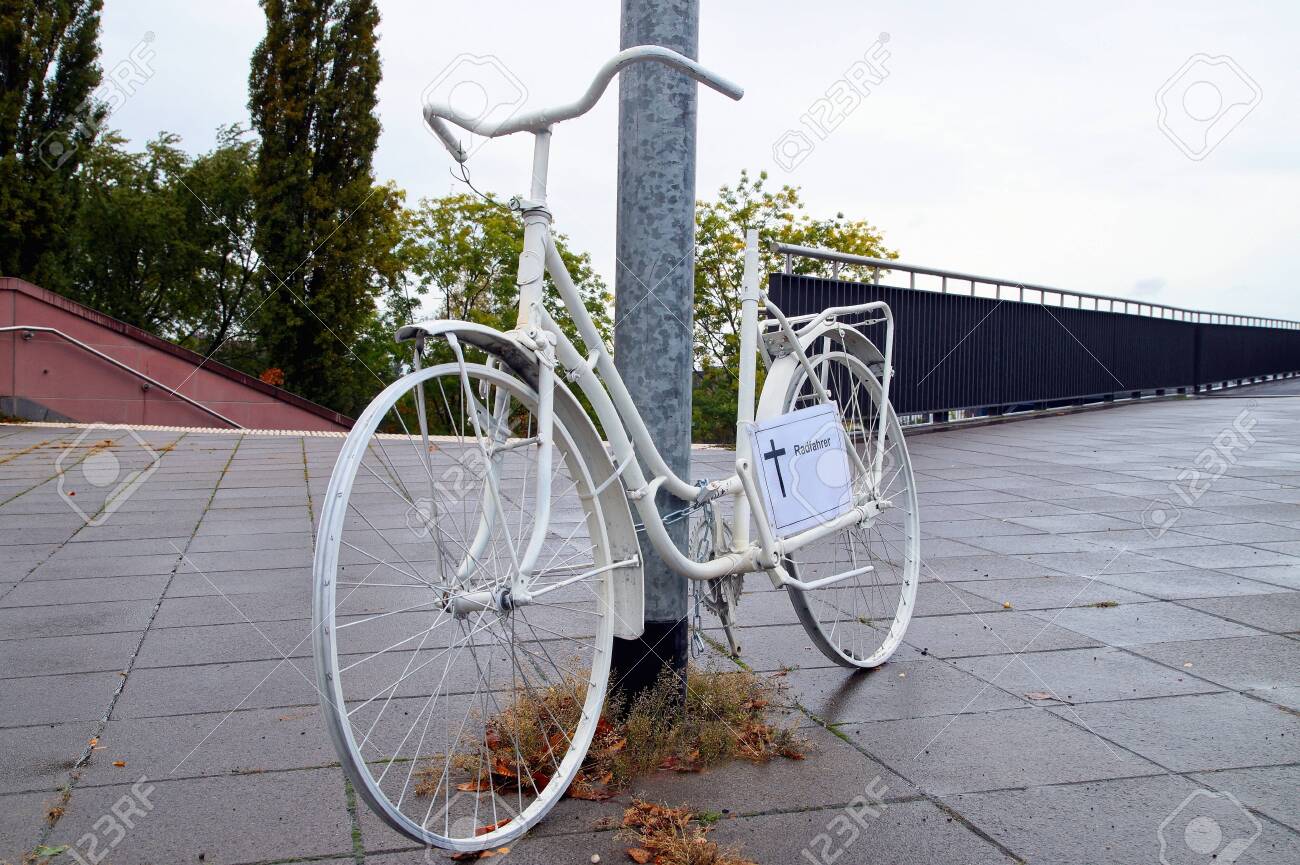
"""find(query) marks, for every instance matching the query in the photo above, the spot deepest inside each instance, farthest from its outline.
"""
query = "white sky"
(1016, 139)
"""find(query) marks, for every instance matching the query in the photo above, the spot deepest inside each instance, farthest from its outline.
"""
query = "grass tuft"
(724, 716)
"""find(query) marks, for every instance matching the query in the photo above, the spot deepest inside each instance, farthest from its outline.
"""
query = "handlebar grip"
(447, 136)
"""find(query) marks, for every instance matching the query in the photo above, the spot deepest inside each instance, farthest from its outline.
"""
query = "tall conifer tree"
(319, 220)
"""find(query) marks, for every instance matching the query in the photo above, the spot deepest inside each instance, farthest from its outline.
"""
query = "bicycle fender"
(771, 402)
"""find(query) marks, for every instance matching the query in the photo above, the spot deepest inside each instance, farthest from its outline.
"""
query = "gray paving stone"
(246, 818)
(955, 753)
(1186, 734)
(1111, 823)
(990, 634)
(39, 758)
(833, 773)
(50, 656)
(1240, 663)
(1285, 576)
(217, 687)
(22, 817)
(221, 644)
(907, 833)
(1189, 583)
(1270, 790)
(73, 697)
(1044, 593)
(1083, 675)
(74, 618)
(1227, 556)
(1093, 564)
(934, 598)
(987, 567)
(1278, 612)
(216, 743)
(280, 604)
(122, 566)
(189, 583)
(1137, 624)
(90, 590)
(907, 689)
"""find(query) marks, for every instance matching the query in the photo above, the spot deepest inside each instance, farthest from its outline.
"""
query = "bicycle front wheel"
(860, 621)
(460, 717)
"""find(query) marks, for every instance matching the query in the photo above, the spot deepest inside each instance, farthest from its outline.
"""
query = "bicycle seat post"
(537, 223)
(541, 161)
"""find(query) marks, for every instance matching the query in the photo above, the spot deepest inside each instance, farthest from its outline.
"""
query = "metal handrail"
(790, 250)
(117, 363)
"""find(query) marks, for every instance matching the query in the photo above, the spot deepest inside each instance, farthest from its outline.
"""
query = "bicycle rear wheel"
(460, 723)
(860, 621)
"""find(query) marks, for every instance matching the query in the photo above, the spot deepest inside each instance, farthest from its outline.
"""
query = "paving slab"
(72, 697)
(218, 644)
(1186, 583)
(1283, 576)
(1001, 632)
(74, 618)
(247, 818)
(34, 593)
(908, 689)
(214, 743)
(1137, 624)
(1050, 593)
(1083, 675)
(53, 656)
(217, 687)
(1116, 822)
(1227, 556)
(964, 753)
(1277, 612)
(1240, 663)
(22, 817)
(39, 758)
(1271, 790)
(832, 773)
(907, 833)
(1186, 733)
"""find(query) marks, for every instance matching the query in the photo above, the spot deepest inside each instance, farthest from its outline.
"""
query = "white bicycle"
(477, 551)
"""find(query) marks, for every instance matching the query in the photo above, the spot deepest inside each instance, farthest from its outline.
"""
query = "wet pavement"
(1104, 666)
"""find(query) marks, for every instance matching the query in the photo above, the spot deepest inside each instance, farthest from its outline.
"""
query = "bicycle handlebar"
(438, 115)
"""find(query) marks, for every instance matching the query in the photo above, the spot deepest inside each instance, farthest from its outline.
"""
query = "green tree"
(464, 253)
(216, 192)
(720, 227)
(130, 254)
(322, 232)
(49, 70)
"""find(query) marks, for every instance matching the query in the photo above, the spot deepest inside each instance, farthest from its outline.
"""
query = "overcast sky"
(1017, 140)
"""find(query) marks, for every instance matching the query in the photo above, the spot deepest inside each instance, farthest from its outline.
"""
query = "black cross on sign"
(772, 455)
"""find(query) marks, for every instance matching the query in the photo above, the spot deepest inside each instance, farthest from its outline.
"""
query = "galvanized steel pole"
(654, 295)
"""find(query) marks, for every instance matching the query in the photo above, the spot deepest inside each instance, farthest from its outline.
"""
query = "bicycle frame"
(595, 374)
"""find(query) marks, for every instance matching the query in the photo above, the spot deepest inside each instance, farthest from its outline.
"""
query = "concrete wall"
(42, 372)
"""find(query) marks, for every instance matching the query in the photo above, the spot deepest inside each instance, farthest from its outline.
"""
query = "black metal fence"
(963, 352)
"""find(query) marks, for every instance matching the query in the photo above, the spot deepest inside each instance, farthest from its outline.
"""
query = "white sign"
(802, 468)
